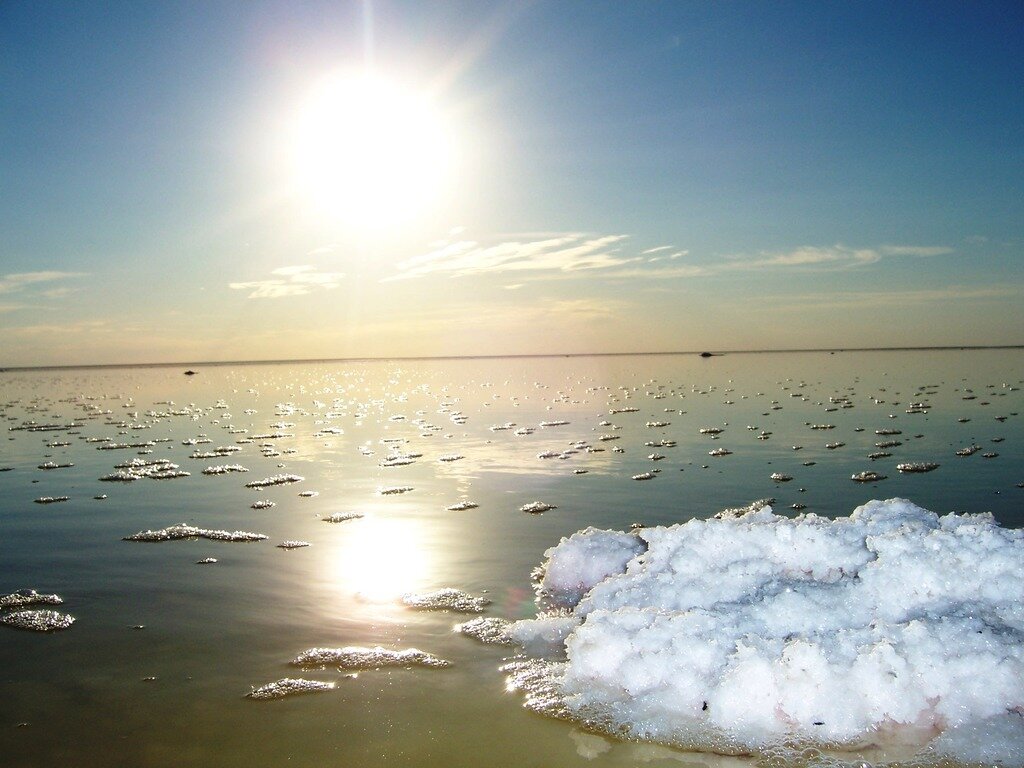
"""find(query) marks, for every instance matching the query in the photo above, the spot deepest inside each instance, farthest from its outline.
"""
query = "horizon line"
(424, 358)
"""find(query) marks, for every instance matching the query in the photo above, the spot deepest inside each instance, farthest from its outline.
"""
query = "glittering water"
(426, 466)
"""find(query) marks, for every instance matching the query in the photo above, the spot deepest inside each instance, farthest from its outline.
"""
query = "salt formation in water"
(486, 629)
(184, 531)
(274, 480)
(289, 686)
(263, 504)
(394, 490)
(536, 507)
(293, 544)
(137, 469)
(355, 657)
(917, 466)
(447, 599)
(462, 506)
(50, 499)
(223, 469)
(24, 597)
(341, 517)
(37, 620)
(744, 631)
(867, 477)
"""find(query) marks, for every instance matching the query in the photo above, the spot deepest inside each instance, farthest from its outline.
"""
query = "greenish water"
(173, 692)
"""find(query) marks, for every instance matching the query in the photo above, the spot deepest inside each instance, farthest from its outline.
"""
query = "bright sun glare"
(371, 153)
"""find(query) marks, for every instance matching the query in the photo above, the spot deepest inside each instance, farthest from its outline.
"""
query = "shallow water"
(173, 692)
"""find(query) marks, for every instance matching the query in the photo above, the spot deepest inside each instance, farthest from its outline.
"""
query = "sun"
(371, 152)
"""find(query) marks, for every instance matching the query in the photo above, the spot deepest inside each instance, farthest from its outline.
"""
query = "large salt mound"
(752, 629)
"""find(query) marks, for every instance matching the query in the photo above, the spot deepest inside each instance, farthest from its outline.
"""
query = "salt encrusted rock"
(289, 686)
(448, 599)
(185, 531)
(37, 620)
(354, 657)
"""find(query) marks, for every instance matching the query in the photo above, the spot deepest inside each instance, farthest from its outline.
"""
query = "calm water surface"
(173, 692)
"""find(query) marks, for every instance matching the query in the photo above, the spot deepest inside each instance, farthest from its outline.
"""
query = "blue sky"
(623, 177)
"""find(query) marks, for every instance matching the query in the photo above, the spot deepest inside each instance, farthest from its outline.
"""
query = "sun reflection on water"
(383, 558)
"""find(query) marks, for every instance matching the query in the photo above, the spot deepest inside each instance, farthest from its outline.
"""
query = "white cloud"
(18, 281)
(564, 255)
(810, 256)
(559, 253)
(291, 281)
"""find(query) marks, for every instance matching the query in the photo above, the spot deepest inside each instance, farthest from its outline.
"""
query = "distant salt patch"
(536, 507)
(394, 490)
(184, 531)
(263, 504)
(356, 658)
(447, 599)
(289, 686)
(275, 480)
(223, 469)
(50, 499)
(293, 544)
(341, 517)
(462, 506)
(138, 469)
(752, 630)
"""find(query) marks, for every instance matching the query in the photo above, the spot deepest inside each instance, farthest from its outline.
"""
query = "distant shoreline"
(425, 358)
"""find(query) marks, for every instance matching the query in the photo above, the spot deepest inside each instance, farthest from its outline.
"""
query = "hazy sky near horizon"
(187, 181)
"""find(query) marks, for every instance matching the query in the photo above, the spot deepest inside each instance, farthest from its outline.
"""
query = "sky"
(215, 181)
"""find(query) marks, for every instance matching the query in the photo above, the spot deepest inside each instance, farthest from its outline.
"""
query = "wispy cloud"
(915, 250)
(567, 255)
(560, 253)
(900, 298)
(290, 281)
(810, 256)
(19, 281)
